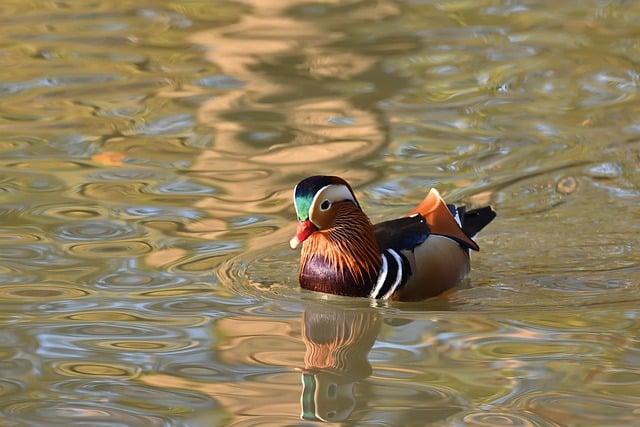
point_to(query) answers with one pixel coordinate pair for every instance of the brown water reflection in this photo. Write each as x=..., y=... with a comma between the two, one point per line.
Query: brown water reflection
x=329, y=384
x=147, y=154
x=348, y=364
x=337, y=344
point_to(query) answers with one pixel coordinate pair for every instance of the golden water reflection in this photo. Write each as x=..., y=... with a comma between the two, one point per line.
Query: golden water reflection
x=148, y=150
x=337, y=344
x=334, y=364
x=337, y=363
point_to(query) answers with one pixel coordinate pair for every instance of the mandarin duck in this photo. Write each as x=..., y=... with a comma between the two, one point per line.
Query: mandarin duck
x=407, y=259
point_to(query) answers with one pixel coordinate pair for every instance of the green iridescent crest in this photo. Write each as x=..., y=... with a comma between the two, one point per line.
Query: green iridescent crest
x=306, y=190
x=303, y=203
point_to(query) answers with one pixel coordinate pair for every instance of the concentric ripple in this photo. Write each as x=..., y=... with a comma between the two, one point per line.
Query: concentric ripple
x=116, y=249
x=148, y=154
x=95, y=231
x=91, y=369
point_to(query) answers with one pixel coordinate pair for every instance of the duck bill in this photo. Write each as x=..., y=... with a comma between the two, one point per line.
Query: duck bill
x=305, y=229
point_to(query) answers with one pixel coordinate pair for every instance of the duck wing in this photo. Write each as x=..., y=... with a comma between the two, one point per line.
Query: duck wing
x=402, y=233
x=433, y=216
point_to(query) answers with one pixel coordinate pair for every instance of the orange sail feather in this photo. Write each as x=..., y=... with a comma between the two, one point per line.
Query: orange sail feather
x=437, y=215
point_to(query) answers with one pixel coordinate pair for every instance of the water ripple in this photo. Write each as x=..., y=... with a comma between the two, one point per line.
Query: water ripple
x=148, y=155
x=497, y=418
x=24, y=293
x=90, y=369
x=9, y=387
x=139, y=280
x=559, y=406
x=71, y=410
x=96, y=231
x=115, y=249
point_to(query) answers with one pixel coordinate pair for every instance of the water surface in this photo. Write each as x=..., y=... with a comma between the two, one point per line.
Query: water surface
x=147, y=154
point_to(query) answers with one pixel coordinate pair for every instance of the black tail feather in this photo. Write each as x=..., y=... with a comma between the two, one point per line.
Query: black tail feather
x=475, y=220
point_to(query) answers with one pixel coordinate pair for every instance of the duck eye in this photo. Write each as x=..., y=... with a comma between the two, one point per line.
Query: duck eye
x=325, y=205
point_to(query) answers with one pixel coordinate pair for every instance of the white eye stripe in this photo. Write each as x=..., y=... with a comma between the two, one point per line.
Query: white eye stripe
x=295, y=206
x=331, y=192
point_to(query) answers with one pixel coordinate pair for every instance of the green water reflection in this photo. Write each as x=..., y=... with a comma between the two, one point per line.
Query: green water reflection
x=147, y=154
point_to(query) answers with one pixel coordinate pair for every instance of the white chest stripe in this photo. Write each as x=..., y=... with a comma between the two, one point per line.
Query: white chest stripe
x=398, y=275
x=381, y=278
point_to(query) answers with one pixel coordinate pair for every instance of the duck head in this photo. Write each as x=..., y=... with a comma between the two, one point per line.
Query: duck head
x=315, y=200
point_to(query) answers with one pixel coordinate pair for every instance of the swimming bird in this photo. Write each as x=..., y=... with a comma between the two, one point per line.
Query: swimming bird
x=408, y=259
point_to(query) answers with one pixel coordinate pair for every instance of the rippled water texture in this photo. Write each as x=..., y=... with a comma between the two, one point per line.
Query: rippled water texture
x=147, y=154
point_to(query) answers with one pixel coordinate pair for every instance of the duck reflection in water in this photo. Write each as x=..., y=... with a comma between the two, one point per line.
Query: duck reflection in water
x=337, y=344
